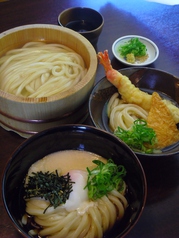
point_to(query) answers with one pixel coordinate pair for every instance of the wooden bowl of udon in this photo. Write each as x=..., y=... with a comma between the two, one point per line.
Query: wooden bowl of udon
x=76, y=139
x=27, y=115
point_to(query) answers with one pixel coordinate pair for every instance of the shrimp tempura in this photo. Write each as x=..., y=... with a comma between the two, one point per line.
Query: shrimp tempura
x=128, y=91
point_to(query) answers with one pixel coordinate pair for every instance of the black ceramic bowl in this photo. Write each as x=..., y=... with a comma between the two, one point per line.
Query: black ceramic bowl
x=148, y=80
x=86, y=21
x=77, y=137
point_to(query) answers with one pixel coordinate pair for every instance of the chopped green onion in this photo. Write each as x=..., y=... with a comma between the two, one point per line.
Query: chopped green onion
x=104, y=178
x=133, y=46
x=140, y=137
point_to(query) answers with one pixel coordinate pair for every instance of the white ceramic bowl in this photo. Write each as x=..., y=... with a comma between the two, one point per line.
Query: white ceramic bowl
x=152, y=50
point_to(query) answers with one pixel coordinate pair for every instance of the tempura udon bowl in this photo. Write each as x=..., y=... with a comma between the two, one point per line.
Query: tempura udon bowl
x=148, y=80
x=27, y=116
x=81, y=138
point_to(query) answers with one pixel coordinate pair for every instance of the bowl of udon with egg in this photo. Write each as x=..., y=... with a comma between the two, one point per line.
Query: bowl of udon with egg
x=46, y=75
x=74, y=181
x=140, y=106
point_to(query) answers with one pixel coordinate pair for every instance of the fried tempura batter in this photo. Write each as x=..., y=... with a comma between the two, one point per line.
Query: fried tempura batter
x=161, y=120
x=128, y=91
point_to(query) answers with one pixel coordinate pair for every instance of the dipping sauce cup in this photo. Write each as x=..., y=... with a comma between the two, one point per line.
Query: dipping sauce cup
x=88, y=22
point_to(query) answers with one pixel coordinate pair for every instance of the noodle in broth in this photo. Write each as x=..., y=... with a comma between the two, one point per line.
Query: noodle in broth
x=123, y=114
x=90, y=219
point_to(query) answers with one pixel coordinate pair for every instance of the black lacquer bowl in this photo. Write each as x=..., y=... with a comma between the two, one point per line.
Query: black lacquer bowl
x=148, y=80
x=76, y=137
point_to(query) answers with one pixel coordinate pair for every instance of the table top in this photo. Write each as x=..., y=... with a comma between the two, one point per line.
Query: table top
x=156, y=21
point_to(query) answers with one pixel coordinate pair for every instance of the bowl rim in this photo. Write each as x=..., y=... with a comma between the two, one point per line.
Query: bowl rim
x=75, y=127
x=155, y=47
x=91, y=71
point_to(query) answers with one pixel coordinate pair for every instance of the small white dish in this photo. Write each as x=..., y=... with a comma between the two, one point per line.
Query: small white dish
x=152, y=50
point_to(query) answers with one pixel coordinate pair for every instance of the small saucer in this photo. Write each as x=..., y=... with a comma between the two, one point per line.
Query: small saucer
x=152, y=50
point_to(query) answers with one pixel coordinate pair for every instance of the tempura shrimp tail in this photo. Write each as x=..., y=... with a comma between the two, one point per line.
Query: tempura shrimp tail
x=127, y=90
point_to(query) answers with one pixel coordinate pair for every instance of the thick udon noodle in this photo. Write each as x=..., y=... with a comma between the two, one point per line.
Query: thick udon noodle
x=39, y=69
x=123, y=114
x=90, y=220
x=98, y=217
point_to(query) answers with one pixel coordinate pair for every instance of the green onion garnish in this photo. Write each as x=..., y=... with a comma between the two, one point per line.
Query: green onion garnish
x=133, y=46
x=104, y=178
x=140, y=137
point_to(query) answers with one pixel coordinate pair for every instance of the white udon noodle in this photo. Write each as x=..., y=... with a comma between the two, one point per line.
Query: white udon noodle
x=79, y=217
x=122, y=114
x=40, y=70
x=91, y=222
